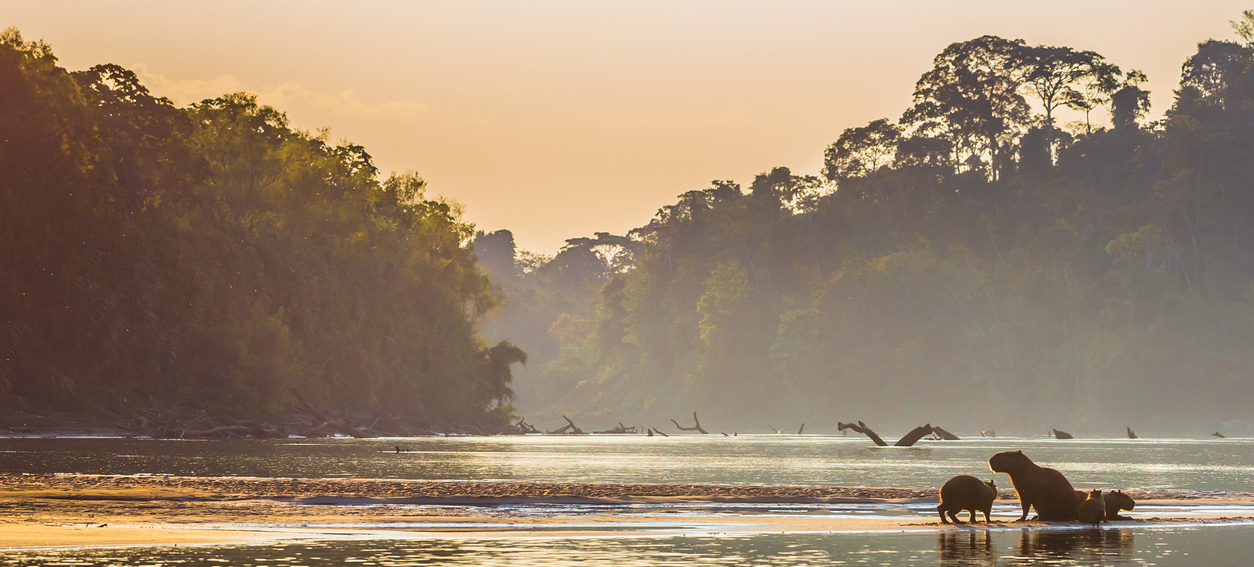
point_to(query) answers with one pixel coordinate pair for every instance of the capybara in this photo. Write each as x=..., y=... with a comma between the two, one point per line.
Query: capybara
x=1093, y=509
x=1043, y=488
x=1116, y=501
x=965, y=492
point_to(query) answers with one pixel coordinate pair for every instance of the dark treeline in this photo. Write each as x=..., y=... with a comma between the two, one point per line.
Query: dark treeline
x=212, y=257
x=972, y=264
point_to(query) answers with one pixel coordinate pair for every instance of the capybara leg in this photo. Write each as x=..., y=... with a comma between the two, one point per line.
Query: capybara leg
x=986, y=520
x=972, y=518
x=941, y=511
x=953, y=514
x=1026, y=505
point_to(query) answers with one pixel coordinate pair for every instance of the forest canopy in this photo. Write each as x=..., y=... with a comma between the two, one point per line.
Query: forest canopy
x=972, y=263
x=213, y=257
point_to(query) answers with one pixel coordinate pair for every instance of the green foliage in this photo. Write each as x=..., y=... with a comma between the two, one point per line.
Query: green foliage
x=212, y=256
x=967, y=266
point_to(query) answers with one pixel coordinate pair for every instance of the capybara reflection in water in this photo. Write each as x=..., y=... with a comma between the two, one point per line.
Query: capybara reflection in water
x=1093, y=509
x=1038, y=487
x=1115, y=502
x=965, y=492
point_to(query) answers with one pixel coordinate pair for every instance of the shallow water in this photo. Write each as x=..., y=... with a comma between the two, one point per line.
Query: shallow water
x=1180, y=546
x=1151, y=464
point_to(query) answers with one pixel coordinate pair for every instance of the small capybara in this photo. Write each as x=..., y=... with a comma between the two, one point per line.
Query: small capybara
x=1093, y=509
x=1115, y=502
x=965, y=492
x=1043, y=488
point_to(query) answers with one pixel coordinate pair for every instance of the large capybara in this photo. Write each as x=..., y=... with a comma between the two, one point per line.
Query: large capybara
x=965, y=492
x=1115, y=502
x=1045, y=489
x=1093, y=509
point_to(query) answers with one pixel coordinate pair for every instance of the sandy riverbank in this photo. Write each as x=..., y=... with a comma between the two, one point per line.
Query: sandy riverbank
x=103, y=510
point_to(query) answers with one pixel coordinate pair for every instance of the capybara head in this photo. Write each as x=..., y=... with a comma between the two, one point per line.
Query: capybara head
x=992, y=487
x=1124, y=501
x=1095, y=493
x=1008, y=461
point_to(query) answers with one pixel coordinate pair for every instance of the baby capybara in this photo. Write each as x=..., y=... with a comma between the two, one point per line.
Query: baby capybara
x=1115, y=501
x=1093, y=509
x=965, y=492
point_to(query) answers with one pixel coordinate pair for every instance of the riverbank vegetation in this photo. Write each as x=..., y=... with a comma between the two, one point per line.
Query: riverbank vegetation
x=974, y=262
x=971, y=263
x=213, y=258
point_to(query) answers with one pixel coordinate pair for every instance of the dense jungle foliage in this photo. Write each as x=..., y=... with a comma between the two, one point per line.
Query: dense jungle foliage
x=971, y=264
x=212, y=257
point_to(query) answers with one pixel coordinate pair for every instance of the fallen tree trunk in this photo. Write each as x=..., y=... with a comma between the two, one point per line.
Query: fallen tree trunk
x=344, y=429
x=945, y=434
x=696, y=427
x=1062, y=435
x=863, y=429
x=619, y=430
x=569, y=429
x=914, y=436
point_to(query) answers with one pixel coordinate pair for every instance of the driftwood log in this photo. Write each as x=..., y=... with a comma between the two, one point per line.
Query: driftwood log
x=863, y=429
x=569, y=429
x=947, y=436
x=914, y=436
x=619, y=430
x=696, y=427
x=340, y=427
x=802, y=429
x=1062, y=435
x=1218, y=434
x=1131, y=435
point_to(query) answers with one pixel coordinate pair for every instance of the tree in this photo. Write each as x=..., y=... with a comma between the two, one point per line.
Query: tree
x=1052, y=75
x=1130, y=103
x=971, y=98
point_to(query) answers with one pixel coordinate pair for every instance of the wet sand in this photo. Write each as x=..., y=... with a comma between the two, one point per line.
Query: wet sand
x=106, y=510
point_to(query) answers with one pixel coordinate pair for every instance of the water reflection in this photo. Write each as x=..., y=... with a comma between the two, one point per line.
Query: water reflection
x=977, y=548
x=968, y=547
x=1080, y=545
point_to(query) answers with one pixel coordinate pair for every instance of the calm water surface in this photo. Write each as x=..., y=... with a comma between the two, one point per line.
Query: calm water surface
x=1175, y=464
x=1226, y=545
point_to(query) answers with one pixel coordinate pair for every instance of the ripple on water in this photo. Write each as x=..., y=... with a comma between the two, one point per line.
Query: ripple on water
x=1214, y=545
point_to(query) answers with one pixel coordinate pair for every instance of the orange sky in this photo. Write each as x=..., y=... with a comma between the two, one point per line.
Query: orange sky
x=558, y=119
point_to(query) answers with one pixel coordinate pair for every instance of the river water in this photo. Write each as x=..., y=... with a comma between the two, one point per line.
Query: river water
x=1152, y=464
x=1146, y=464
x=1178, y=546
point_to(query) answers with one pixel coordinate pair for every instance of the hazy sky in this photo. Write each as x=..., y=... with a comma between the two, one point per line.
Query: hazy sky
x=559, y=119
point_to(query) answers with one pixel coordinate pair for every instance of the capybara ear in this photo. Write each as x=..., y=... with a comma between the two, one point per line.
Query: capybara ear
x=1020, y=451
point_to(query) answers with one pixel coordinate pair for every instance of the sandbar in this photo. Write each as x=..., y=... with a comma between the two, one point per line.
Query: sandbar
x=49, y=511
